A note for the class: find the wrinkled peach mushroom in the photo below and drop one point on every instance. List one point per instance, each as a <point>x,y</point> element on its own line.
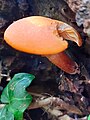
<point>44,36</point>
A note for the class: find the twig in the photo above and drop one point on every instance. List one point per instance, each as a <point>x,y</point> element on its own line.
<point>54,102</point>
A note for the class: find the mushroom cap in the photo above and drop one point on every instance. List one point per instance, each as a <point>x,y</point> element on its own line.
<point>36,35</point>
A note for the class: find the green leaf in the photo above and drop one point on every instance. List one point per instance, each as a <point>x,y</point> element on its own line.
<point>5,114</point>
<point>15,95</point>
<point>89,117</point>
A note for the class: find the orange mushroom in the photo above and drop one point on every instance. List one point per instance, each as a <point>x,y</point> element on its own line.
<point>44,36</point>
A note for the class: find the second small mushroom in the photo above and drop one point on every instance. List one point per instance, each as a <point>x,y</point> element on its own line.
<point>44,36</point>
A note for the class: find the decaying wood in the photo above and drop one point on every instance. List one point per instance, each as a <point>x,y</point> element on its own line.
<point>82,10</point>
<point>74,4</point>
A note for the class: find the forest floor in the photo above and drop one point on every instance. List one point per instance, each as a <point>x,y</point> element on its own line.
<point>68,95</point>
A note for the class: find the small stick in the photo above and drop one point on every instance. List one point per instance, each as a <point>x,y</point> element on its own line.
<point>56,102</point>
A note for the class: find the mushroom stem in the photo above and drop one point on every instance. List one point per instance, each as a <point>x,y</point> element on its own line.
<point>64,62</point>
